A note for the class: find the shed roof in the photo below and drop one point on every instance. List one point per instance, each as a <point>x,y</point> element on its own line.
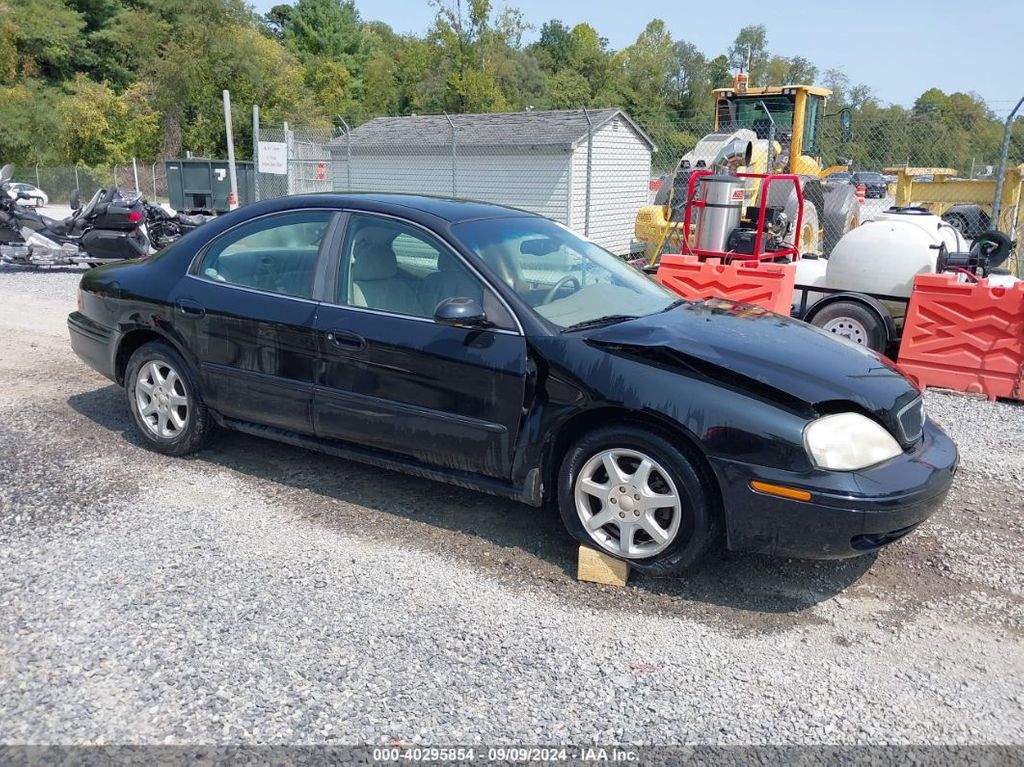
<point>564,129</point>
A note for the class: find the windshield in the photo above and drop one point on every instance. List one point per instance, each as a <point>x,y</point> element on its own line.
<point>566,279</point>
<point>872,177</point>
<point>749,112</point>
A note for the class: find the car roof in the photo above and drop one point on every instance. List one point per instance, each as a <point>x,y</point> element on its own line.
<point>446,208</point>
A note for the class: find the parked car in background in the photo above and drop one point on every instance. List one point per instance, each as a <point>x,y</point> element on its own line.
<point>874,183</point>
<point>969,219</point>
<point>839,178</point>
<point>26,193</point>
<point>497,350</point>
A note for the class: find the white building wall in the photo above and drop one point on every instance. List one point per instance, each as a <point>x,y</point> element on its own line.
<point>621,167</point>
<point>534,182</point>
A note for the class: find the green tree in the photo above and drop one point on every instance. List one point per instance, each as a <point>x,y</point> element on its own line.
<point>325,29</point>
<point>648,65</point>
<point>47,37</point>
<point>749,51</point>
<point>567,89</point>
<point>92,121</point>
<point>555,46</point>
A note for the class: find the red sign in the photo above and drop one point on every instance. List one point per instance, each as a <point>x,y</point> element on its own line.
<point>321,171</point>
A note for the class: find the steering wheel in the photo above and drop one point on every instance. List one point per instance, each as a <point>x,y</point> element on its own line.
<point>566,280</point>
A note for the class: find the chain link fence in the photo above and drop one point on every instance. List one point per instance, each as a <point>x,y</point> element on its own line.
<point>305,156</point>
<point>58,182</point>
<point>596,170</point>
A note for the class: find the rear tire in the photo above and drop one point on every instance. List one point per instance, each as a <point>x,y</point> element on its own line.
<point>840,214</point>
<point>854,322</point>
<point>165,400</point>
<point>657,512</point>
<point>958,222</point>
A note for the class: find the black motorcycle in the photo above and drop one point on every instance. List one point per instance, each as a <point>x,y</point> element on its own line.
<point>165,228</point>
<point>108,228</point>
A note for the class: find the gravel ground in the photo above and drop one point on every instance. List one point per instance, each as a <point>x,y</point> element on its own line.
<point>259,593</point>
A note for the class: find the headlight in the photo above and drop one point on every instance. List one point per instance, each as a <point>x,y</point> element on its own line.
<point>848,441</point>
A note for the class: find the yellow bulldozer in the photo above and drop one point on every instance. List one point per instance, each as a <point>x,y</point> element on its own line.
<point>782,124</point>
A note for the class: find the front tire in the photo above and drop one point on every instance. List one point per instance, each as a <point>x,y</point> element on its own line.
<point>632,494</point>
<point>165,401</point>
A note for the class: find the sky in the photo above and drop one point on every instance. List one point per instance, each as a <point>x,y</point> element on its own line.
<point>899,48</point>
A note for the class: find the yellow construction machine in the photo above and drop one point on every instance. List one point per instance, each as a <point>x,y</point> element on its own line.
<point>782,124</point>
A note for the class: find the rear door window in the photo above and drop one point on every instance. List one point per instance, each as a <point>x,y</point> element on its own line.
<point>277,254</point>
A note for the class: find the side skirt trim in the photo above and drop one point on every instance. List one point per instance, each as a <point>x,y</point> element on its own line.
<point>529,493</point>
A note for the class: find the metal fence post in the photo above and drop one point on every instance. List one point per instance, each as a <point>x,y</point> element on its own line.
<point>288,160</point>
<point>256,151</point>
<point>590,169</point>
<point>135,173</point>
<point>1004,154</point>
<point>454,184</point>
<point>77,185</point>
<point>152,170</point>
<point>38,185</point>
<point>348,154</point>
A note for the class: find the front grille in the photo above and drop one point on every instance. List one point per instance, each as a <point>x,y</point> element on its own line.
<point>911,421</point>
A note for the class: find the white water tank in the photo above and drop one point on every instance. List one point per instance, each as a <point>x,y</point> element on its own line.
<point>882,255</point>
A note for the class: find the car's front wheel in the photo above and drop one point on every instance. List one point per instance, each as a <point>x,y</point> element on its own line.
<point>634,495</point>
<point>165,401</point>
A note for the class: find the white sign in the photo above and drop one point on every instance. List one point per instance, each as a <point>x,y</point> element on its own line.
<point>273,157</point>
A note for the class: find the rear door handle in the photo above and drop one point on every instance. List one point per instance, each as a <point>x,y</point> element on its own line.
<point>190,308</point>
<point>347,340</point>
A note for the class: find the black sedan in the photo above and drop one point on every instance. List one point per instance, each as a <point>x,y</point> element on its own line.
<point>874,184</point>
<point>495,349</point>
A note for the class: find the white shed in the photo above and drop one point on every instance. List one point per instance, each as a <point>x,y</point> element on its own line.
<point>538,161</point>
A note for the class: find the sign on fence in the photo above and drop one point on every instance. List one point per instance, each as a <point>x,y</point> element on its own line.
<point>273,157</point>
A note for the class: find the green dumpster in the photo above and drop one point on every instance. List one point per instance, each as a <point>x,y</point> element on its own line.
<point>196,182</point>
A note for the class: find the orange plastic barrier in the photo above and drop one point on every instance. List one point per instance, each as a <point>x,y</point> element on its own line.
<point>760,283</point>
<point>965,336</point>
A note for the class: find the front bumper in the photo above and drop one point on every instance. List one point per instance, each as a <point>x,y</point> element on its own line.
<point>95,344</point>
<point>850,513</point>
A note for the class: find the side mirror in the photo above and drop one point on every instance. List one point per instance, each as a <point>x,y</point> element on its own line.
<point>461,313</point>
<point>75,201</point>
<point>846,125</point>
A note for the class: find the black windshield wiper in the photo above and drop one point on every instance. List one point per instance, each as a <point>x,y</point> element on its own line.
<point>597,322</point>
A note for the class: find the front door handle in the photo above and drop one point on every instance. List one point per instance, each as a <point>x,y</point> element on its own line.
<point>347,340</point>
<point>190,308</point>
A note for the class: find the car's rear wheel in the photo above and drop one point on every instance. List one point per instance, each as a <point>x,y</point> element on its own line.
<point>634,495</point>
<point>165,401</point>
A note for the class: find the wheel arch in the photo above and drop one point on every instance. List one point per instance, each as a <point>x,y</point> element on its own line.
<point>135,338</point>
<point>560,439</point>
<point>870,303</point>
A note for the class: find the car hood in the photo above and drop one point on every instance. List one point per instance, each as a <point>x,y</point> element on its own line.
<point>769,355</point>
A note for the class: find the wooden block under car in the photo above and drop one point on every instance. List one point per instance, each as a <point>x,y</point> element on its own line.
<point>595,567</point>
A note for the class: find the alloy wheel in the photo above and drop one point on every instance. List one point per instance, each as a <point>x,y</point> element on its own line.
<point>161,399</point>
<point>628,503</point>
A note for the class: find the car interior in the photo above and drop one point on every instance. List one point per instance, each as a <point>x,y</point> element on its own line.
<point>279,259</point>
<point>392,269</point>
